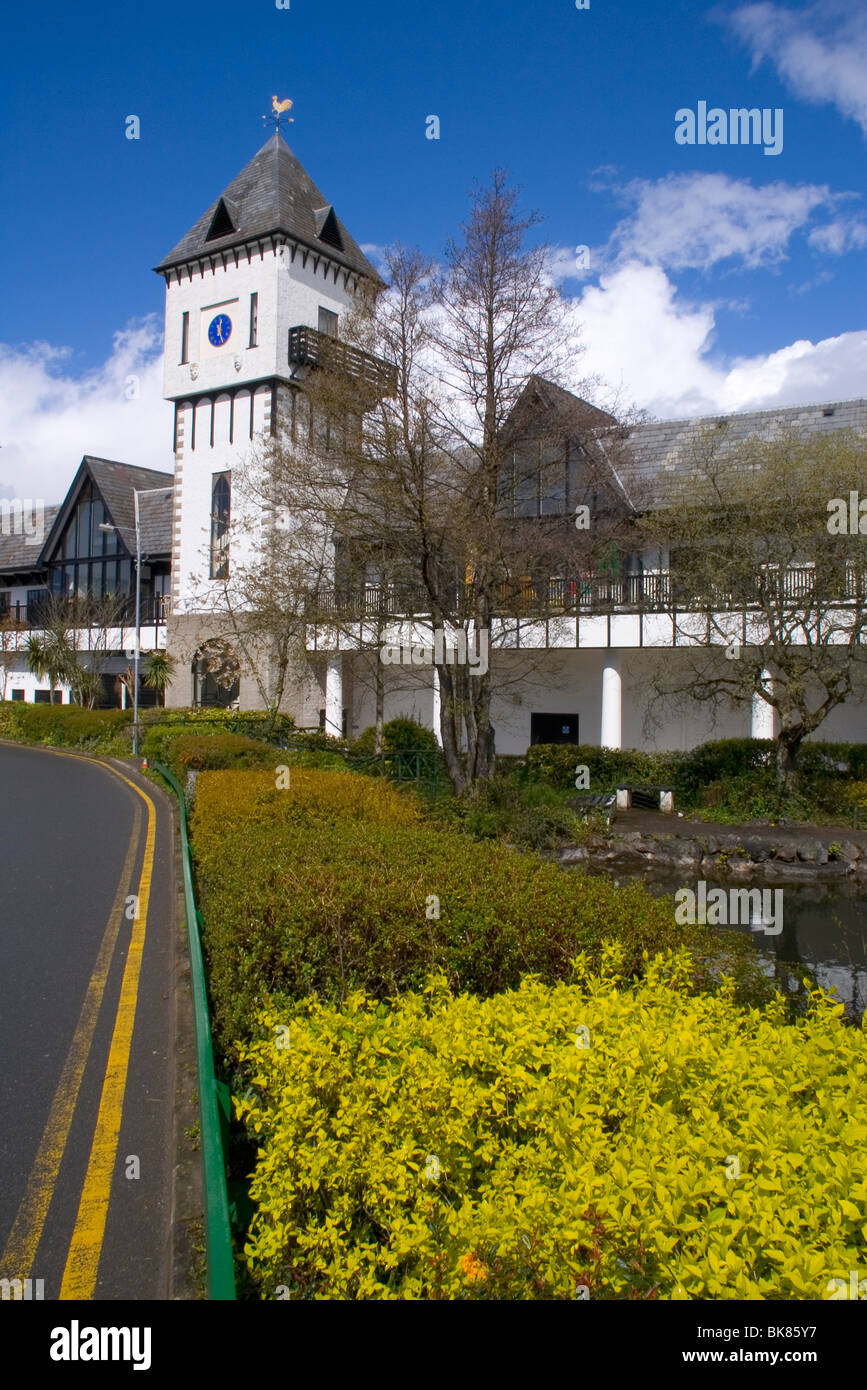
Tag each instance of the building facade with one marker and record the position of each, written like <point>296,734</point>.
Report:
<point>255,294</point>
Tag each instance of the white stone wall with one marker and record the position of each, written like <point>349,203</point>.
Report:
<point>291,287</point>
<point>290,292</point>
<point>560,683</point>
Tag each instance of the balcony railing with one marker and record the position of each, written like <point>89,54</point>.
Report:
<point>598,593</point>
<point>310,348</point>
<point>155,609</point>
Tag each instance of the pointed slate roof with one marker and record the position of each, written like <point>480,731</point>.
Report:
<point>115,483</point>
<point>273,193</point>
<point>550,407</point>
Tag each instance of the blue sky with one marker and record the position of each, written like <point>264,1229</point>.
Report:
<point>720,277</point>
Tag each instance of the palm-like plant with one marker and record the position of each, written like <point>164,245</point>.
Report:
<point>51,656</point>
<point>161,669</point>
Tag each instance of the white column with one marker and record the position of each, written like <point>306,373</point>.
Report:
<point>435,715</point>
<point>611,735</point>
<point>334,697</point>
<point>761,713</point>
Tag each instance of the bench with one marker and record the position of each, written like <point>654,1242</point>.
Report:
<point>647,797</point>
<point>594,799</point>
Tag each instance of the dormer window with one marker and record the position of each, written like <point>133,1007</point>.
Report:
<point>221,222</point>
<point>327,228</point>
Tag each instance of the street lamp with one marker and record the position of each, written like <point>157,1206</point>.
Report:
<point>107,526</point>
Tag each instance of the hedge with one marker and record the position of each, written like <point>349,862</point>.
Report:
<point>66,726</point>
<point>556,763</point>
<point>110,730</point>
<point>719,760</point>
<point>397,735</point>
<point>582,1139</point>
<point>334,884</point>
<point>197,752</point>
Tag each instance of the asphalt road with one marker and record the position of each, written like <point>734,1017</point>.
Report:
<point>86,1020</point>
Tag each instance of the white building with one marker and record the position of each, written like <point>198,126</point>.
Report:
<point>254,291</point>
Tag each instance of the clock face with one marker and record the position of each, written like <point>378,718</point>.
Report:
<point>219,330</point>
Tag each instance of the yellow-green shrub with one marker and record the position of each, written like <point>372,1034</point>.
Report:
<point>66,726</point>
<point>327,887</point>
<point>196,752</point>
<point>607,1166</point>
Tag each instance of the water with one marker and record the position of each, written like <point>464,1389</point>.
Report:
<point>824,934</point>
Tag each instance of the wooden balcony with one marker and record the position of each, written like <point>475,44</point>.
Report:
<point>30,616</point>
<point>586,595</point>
<point>310,348</point>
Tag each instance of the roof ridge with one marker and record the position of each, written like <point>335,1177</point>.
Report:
<point>744,414</point>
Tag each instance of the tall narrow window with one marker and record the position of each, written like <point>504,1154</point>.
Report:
<point>254,320</point>
<point>185,338</point>
<point>220,511</point>
<point>328,322</point>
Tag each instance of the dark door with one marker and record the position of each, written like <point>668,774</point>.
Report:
<point>553,728</point>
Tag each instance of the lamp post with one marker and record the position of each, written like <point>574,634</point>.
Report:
<point>137,623</point>
<point>107,526</point>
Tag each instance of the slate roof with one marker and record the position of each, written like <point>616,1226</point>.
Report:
<point>155,516</point>
<point>115,482</point>
<point>554,409</point>
<point>273,193</point>
<point>657,449</point>
<point>20,555</point>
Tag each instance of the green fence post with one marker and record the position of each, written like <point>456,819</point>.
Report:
<point>221,1267</point>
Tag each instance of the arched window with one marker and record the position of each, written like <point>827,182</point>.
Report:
<point>216,674</point>
<point>221,500</point>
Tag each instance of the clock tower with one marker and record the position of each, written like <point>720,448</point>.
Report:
<point>263,273</point>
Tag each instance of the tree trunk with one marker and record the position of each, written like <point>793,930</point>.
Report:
<point>788,745</point>
<point>449,730</point>
<point>380,705</point>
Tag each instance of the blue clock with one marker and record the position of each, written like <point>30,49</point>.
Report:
<point>219,330</point>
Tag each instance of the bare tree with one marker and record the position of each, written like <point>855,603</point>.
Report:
<point>408,452</point>
<point>432,480</point>
<point>768,598</point>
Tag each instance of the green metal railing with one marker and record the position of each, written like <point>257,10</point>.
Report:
<point>214,1098</point>
<point>405,765</point>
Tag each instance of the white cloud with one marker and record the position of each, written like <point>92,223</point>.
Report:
<point>845,234</point>
<point>50,417</point>
<point>656,349</point>
<point>652,345</point>
<point>821,52</point>
<point>693,221</point>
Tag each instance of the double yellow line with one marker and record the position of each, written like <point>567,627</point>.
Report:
<point>82,1262</point>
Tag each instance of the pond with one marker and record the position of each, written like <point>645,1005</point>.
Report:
<point>824,935</point>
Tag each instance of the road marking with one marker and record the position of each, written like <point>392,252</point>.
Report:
<point>27,1227</point>
<point>82,1262</point>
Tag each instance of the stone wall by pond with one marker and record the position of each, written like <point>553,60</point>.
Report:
<point>772,856</point>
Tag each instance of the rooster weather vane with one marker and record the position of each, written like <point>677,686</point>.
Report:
<point>278,110</point>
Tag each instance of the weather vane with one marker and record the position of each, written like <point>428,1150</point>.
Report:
<point>278,109</point>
